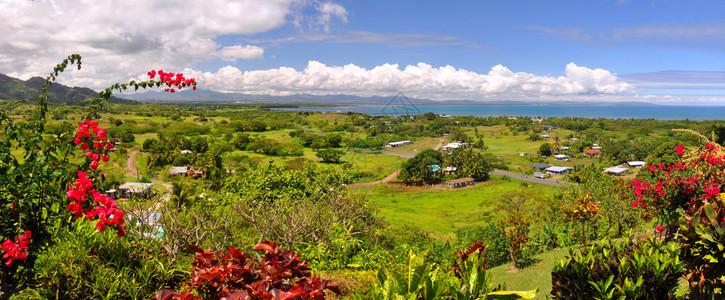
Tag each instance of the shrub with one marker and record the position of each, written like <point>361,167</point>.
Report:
<point>236,275</point>
<point>605,270</point>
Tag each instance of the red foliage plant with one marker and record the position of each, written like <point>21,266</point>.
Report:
<point>281,274</point>
<point>462,256</point>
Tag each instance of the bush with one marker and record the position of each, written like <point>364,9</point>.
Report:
<point>88,264</point>
<point>236,275</point>
<point>606,270</point>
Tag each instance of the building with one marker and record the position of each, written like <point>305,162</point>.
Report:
<point>558,170</point>
<point>461,182</point>
<point>449,170</point>
<point>186,152</point>
<point>541,167</point>
<point>134,189</point>
<point>561,157</point>
<point>545,136</point>
<point>178,171</point>
<point>452,146</point>
<point>564,148</point>
<point>593,152</point>
<point>573,139</point>
<point>619,171</point>
<point>636,164</point>
<point>398,144</point>
<point>541,175</point>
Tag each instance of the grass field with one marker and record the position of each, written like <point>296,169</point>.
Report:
<point>536,275</point>
<point>441,211</point>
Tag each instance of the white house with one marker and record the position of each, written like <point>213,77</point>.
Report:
<point>561,157</point>
<point>186,152</point>
<point>545,136</point>
<point>558,170</point>
<point>451,146</point>
<point>449,170</point>
<point>619,171</point>
<point>175,171</point>
<point>636,164</point>
<point>131,189</point>
<point>564,148</point>
<point>398,144</point>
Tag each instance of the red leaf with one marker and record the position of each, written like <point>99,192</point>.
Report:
<point>194,249</point>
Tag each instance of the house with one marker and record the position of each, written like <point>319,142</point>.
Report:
<point>522,153</point>
<point>186,152</point>
<point>558,170</point>
<point>134,189</point>
<point>564,148</point>
<point>461,182</point>
<point>451,146</point>
<point>549,127</point>
<point>541,167</point>
<point>398,144</point>
<point>433,168</point>
<point>593,152</point>
<point>619,171</point>
<point>449,170</point>
<point>195,173</point>
<point>541,175</point>
<point>178,171</point>
<point>545,136</point>
<point>596,147</point>
<point>561,157</point>
<point>573,139</point>
<point>636,164</point>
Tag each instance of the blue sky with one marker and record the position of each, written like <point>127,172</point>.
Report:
<point>655,51</point>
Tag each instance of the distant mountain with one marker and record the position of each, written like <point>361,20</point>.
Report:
<point>29,90</point>
<point>207,96</point>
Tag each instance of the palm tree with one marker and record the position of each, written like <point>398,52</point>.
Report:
<point>180,195</point>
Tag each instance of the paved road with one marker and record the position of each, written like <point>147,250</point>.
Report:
<point>315,131</point>
<point>531,179</point>
<point>405,155</point>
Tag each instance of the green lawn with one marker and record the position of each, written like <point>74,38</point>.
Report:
<point>536,275</point>
<point>441,211</point>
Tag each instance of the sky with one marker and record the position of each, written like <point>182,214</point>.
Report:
<point>668,52</point>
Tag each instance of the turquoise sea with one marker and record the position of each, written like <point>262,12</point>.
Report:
<point>660,112</point>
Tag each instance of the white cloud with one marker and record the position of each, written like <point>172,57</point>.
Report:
<point>420,81</point>
<point>120,39</point>
<point>240,52</point>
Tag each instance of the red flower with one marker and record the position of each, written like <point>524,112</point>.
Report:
<point>680,150</point>
<point>574,234</point>
<point>660,228</point>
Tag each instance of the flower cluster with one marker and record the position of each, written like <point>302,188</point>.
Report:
<point>173,80</point>
<point>15,251</point>
<point>85,200</point>
<point>94,141</point>
<point>105,209</point>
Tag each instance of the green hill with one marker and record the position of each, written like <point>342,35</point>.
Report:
<point>16,89</point>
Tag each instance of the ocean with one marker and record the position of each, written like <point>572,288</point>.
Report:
<point>660,112</point>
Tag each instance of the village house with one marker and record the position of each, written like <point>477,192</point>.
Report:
<point>461,182</point>
<point>592,152</point>
<point>186,152</point>
<point>558,170</point>
<point>541,167</point>
<point>134,189</point>
<point>636,164</point>
<point>398,144</point>
<point>452,146</point>
<point>619,171</point>
<point>449,170</point>
<point>561,157</point>
<point>545,136</point>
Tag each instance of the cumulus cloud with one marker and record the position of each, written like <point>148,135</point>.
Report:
<point>119,39</point>
<point>420,81</point>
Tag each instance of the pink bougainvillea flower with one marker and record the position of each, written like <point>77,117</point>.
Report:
<point>680,150</point>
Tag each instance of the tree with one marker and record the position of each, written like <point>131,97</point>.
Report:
<point>469,163</point>
<point>180,195</point>
<point>518,206</point>
<point>421,168</point>
<point>329,155</point>
<point>545,149</point>
<point>298,206</point>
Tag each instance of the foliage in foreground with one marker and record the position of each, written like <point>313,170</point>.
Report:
<point>281,274</point>
<point>425,280</point>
